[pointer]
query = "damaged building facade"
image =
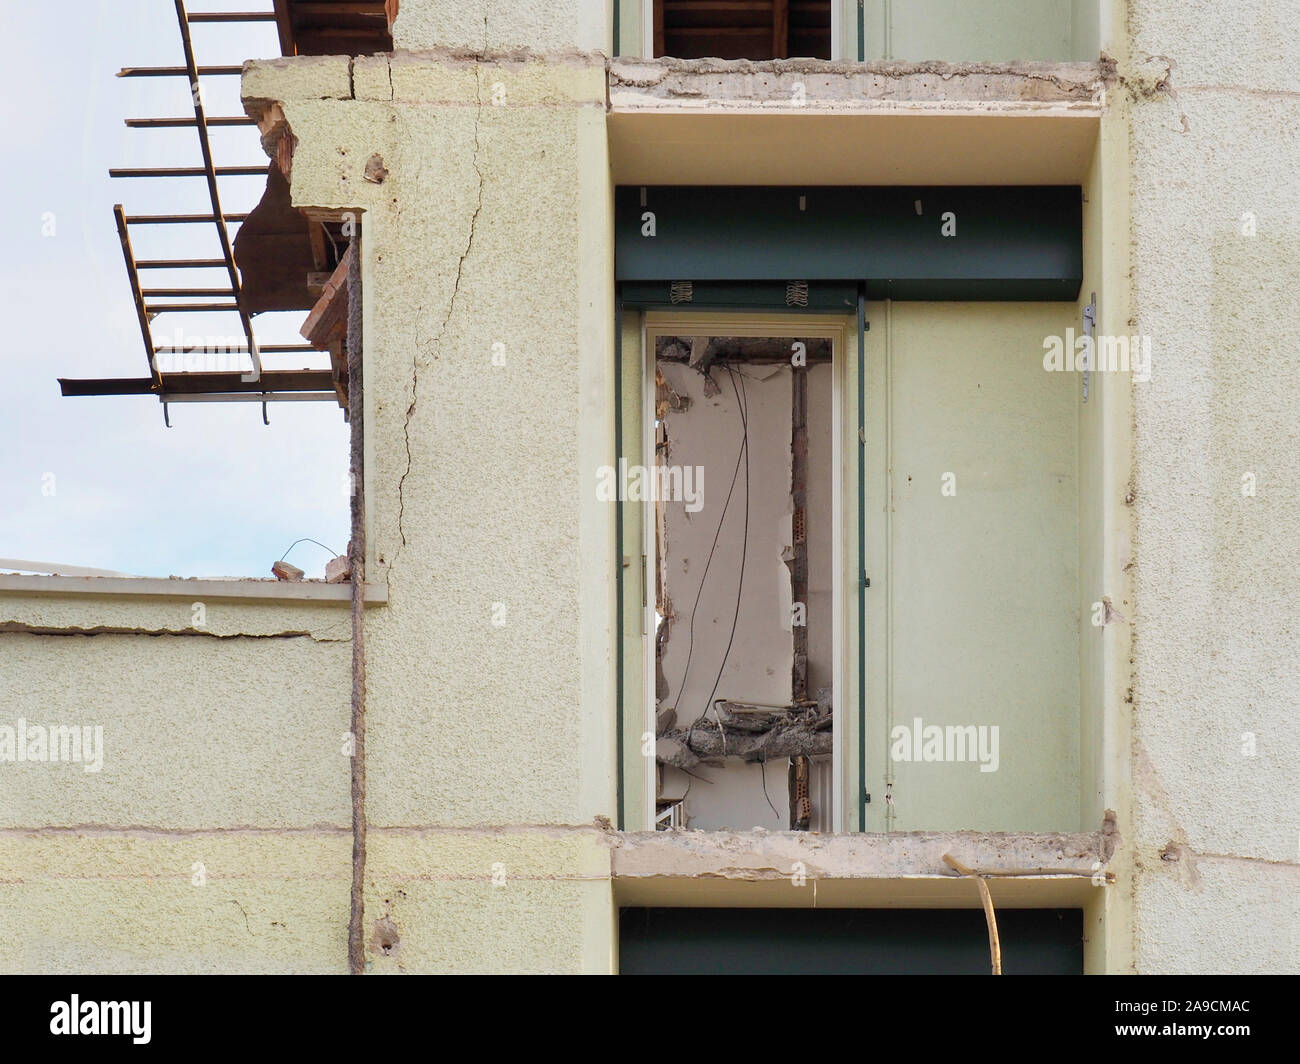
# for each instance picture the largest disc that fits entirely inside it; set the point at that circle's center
(826, 474)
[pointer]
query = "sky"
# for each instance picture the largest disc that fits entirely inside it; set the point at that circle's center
(101, 482)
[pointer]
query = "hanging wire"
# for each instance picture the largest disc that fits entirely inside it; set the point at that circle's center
(333, 553)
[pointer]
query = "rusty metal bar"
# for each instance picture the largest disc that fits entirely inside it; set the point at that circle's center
(231, 16)
(180, 72)
(266, 349)
(232, 382)
(171, 123)
(187, 171)
(142, 316)
(357, 556)
(201, 124)
(150, 293)
(178, 219)
(155, 309)
(180, 264)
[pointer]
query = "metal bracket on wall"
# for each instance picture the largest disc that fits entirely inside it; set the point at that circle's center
(1089, 325)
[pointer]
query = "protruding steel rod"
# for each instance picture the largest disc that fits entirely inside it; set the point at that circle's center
(142, 316)
(200, 119)
(231, 16)
(180, 72)
(173, 123)
(187, 171)
(178, 219)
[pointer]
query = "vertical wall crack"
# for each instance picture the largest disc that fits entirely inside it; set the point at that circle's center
(451, 302)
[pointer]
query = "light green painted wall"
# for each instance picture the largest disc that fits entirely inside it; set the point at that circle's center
(962, 31)
(949, 30)
(214, 836)
(983, 613)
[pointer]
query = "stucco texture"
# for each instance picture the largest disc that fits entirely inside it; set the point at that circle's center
(490, 670)
(1217, 650)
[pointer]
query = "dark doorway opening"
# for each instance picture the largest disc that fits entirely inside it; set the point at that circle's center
(756, 29)
(846, 941)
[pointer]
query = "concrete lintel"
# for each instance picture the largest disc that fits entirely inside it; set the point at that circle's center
(901, 148)
(889, 870)
(153, 587)
(810, 86)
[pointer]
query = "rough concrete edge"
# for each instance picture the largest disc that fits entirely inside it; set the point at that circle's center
(1072, 80)
(852, 856)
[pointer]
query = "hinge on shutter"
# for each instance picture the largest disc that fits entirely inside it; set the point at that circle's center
(1089, 325)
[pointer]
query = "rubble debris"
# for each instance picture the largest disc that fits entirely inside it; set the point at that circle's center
(338, 570)
(751, 733)
(287, 571)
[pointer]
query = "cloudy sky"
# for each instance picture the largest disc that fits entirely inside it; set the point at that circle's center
(100, 482)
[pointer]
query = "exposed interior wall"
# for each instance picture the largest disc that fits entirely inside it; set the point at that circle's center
(1215, 201)
(708, 435)
(705, 432)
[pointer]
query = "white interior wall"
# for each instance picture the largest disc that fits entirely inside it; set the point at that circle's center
(708, 432)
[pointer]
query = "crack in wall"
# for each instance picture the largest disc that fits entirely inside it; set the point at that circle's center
(451, 302)
(22, 628)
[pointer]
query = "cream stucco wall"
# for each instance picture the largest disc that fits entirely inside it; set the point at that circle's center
(488, 371)
(215, 835)
(492, 746)
(1217, 654)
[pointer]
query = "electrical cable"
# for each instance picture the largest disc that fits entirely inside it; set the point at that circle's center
(743, 404)
(318, 543)
(690, 644)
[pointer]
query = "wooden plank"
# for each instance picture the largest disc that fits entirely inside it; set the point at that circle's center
(658, 26)
(284, 27)
(761, 32)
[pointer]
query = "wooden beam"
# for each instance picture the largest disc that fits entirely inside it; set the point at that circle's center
(284, 27)
(780, 29)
